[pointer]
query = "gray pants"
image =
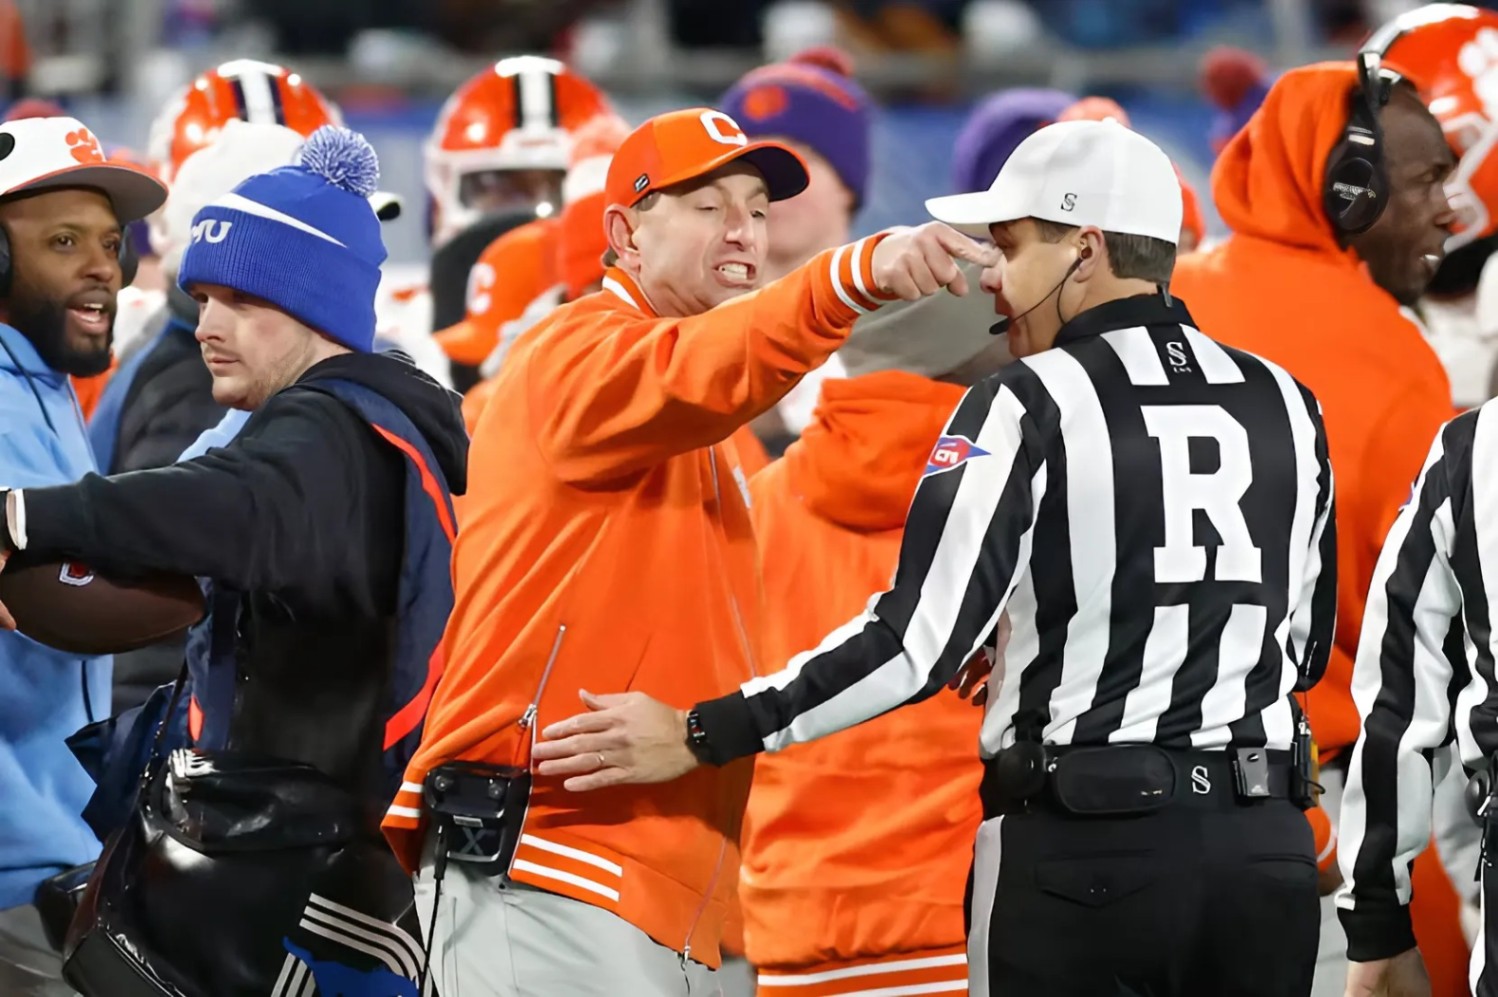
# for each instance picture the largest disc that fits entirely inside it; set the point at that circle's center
(496, 938)
(28, 966)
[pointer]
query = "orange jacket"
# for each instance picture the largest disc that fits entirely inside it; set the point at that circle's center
(1281, 287)
(857, 846)
(607, 546)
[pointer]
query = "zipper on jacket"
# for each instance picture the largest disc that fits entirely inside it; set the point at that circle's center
(529, 716)
(733, 599)
(707, 898)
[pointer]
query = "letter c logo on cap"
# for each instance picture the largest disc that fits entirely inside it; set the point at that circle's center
(721, 128)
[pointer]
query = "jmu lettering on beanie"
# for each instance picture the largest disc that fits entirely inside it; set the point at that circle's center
(302, 237)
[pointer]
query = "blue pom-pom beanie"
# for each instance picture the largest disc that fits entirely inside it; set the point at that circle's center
(302, 237)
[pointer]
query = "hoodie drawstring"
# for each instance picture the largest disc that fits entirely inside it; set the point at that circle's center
(47, 416)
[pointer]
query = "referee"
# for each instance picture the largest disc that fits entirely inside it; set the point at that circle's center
(1424, 675)
(1155, 512)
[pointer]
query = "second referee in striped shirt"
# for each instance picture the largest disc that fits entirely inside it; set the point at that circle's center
(1155, 512)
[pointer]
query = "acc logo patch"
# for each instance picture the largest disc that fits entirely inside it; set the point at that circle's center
(953, 451)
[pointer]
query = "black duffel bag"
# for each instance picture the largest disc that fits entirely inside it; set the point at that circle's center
(244, 875)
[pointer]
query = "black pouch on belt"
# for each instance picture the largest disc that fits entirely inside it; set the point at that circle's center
(1114, 780)
(477, 811)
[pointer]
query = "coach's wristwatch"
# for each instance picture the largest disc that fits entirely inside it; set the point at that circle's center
(697, 738)
(13, 515)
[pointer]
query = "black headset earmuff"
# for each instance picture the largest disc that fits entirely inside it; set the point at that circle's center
(129, 261)
(1356, 188)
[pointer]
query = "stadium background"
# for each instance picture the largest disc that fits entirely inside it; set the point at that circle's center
(390, 63)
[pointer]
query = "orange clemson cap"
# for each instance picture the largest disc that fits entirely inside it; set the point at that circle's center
(678, 146)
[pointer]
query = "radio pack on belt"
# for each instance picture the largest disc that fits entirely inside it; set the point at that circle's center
(476, 811)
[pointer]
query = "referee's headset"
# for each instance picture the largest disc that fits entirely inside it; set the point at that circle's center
(1356, 188)
(1002, 325)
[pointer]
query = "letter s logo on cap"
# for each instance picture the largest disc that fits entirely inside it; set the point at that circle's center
(212, 230)
(721, 128)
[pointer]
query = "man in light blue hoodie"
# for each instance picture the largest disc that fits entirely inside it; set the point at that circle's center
(62, 208)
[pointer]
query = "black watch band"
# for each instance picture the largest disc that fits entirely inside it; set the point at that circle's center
(697, 738)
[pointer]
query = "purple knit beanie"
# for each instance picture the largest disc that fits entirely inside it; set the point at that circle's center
(812, 99)
(998, 125)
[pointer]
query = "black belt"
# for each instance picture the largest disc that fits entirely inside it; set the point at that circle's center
(1124, 779)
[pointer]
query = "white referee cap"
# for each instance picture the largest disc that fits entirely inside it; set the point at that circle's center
(1077, 173)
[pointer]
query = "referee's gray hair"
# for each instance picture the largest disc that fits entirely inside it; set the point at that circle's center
(1129, 256)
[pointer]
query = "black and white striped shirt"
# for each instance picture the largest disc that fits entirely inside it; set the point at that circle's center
(1424, 675)
(1154, 510)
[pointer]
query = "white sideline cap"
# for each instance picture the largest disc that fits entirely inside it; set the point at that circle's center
(1077, 173)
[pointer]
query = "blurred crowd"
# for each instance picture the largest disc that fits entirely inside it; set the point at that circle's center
(516, 172)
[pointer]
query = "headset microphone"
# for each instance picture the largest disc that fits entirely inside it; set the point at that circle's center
(1002, 325)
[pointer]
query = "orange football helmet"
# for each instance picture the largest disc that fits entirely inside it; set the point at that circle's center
(1449, 51)
(254, 91)
(503, 139)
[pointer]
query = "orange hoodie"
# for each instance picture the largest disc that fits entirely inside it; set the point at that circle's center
(606, 545)
(1280, 286)
(856, 847)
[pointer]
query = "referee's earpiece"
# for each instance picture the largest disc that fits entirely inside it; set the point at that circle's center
(1356, 187)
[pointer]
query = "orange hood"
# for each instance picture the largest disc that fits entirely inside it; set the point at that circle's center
(859, 461)
(1267, 182)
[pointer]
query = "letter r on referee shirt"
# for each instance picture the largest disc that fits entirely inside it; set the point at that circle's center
(1217, 493)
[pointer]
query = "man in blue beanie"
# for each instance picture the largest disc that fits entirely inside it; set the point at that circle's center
(323, 530)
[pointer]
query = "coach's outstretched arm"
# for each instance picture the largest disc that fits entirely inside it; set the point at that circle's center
(967, 538)
(1401, 684)
(669, 385)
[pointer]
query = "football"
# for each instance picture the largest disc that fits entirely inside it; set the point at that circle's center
(67, 606)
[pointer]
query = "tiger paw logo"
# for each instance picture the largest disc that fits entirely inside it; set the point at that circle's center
(1478, 59)
(764, 102)
(84, 147)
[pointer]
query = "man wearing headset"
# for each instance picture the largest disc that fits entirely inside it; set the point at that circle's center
(62, 208)
(1334, 191)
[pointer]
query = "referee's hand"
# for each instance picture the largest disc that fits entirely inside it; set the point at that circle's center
(915, 263)
(624, 738)
(1402, 976)
(973, 679)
